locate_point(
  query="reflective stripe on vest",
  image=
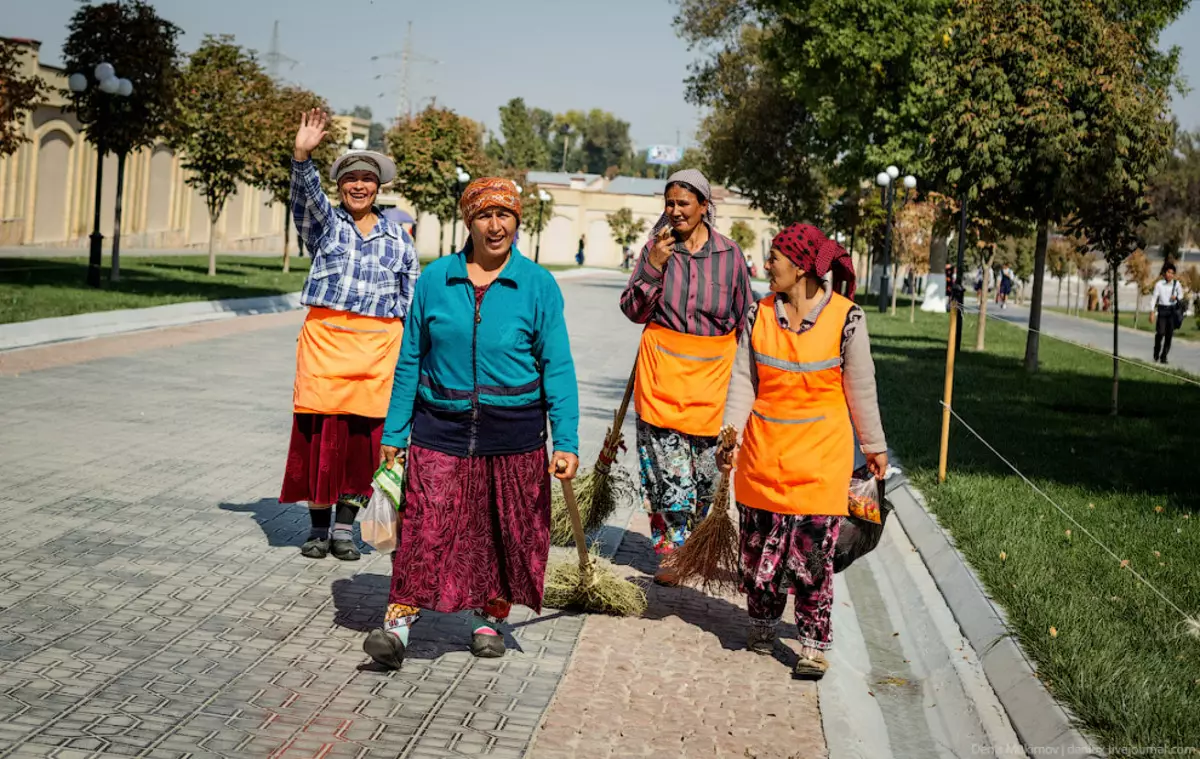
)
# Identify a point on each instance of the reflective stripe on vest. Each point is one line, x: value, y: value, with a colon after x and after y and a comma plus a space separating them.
x: 797, y: 450
x: 682, y: 380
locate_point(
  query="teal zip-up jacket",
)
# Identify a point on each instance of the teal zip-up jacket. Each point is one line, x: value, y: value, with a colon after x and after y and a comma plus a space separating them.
x: 481, y: 383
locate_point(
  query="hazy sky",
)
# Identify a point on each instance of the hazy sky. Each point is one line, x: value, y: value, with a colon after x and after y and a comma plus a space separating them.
x: 618, y: 55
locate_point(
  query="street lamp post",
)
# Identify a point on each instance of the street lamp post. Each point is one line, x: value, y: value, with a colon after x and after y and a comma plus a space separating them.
x: 460, y: 178
x: 109, y: 84
x: 542, y: 196
x: 886, y: 181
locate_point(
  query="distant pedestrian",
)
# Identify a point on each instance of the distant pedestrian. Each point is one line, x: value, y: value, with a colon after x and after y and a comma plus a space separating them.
x: 1006, y: 285
x: 751, y: 266
x: 1093, y: 298
x: 626, y: 257
x: 579, y: 255
x: 1106, y: 297
x: 1166, y: 309
x: 358, y: 292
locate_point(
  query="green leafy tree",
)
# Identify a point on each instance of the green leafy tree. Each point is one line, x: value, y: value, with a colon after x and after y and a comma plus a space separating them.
x: 741, y: 233
x: 626, y: 230
x: 428, y: 149
x: 142, y: 48
x: 1139, y: 273
x: 1059, y: 264
x: 269, y: 167
x: 535, y: 212
x: 778, y: 164
x: 522, y: 149
x: 18, y: 96
x: 1174, y: 196
x: 223, y: 109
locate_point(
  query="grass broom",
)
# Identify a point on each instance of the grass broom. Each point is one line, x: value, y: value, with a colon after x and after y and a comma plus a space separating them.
x: 587, y: 586
x: 710, y: 555
x: 600, y: 490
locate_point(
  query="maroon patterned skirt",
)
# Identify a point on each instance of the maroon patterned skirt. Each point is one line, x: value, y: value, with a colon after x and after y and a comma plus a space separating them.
x: 474, y: 529
x: 330, y: 455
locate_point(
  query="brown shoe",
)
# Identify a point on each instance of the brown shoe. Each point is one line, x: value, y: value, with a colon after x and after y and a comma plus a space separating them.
x: 810, y: 669
x: 486, y: 646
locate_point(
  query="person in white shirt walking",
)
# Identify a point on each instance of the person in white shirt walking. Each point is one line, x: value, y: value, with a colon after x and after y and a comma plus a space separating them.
x: 1167, y: 298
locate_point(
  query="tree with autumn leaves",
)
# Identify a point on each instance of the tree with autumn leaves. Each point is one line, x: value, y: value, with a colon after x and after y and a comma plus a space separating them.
x: 428, y: 149
x: 18, y: 96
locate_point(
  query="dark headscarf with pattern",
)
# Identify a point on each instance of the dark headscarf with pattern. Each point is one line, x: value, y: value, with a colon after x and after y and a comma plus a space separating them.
x: 809, y: 248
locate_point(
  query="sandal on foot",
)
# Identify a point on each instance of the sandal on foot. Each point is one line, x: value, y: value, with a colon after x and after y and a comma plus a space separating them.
x: 384, y: 648
x: 315, y: 548
x: 345, y: 550
x: 810, y: 669
x: 761, y: 641
x: 486, y: 646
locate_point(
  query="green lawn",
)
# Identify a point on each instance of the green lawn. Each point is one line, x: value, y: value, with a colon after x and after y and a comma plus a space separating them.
x: 1119, y: 656
x: 36, y: 288
x: 1189, y: 331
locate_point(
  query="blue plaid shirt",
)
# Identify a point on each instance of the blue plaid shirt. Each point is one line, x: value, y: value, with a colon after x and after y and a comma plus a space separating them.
x: 373, y: 275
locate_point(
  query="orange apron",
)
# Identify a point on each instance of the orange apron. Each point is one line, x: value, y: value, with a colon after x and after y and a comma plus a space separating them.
x: 682, y: 380
x: 797, y: 451
x: 345, y: 363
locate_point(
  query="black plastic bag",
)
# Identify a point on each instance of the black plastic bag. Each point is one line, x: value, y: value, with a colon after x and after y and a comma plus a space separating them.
x: 857, y: 537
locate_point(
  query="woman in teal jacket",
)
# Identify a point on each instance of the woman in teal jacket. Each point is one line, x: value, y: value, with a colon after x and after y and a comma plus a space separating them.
x: 485, y: 360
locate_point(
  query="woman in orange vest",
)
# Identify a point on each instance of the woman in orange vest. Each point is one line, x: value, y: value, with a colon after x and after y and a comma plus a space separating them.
x: 691, y: 289
x: 803, y: 373
x: 358, y: 292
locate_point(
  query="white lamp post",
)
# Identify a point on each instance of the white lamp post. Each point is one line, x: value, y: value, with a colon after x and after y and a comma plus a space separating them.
x: 543, y: 197
x: 461, y: 178
x: 108, y: 83
x: 886, y: 180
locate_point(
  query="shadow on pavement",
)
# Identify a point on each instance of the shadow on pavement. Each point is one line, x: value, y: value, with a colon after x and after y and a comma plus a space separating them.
x: 283, y: 524
x: 715, y: 615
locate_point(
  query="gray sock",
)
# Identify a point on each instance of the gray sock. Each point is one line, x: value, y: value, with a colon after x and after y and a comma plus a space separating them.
x: 343, y: 531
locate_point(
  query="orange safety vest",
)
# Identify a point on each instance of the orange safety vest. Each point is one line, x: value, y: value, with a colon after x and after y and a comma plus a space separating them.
x: 797, y: 452
x: 345, y: 363
x: 682, y: 379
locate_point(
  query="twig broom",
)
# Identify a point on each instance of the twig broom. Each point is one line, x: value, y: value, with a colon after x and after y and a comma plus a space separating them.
x: 586, y: 586
x: 600, y: 490
x: 710, y: 555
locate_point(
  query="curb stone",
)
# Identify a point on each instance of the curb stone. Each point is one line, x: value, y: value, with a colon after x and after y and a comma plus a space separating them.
x: 1041, y: 722
x: 104, y: 323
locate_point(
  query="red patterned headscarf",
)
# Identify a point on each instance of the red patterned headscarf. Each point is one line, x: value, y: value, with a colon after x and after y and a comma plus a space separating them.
x: 807, y: 247
x: 489, y: 192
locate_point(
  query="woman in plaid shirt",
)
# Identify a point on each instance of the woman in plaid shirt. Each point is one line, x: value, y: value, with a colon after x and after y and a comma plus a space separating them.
x: 358, y: 292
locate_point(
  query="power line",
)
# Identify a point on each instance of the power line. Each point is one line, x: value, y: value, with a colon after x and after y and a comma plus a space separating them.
x: 407, y: 57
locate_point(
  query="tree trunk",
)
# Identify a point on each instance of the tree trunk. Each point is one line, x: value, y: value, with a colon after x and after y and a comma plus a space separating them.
x: 1137, y: 307
x: 115, y: 274
x: 981, y: 328
x: 441, y: 238
x: 1116, y: 339
x: 895, y: 284
x: 212, y: 250
x: 1035, y: 303
x: 912, y: 304
x: 1058, y: 298
x: 287, y: 236
x: 1070, y: 297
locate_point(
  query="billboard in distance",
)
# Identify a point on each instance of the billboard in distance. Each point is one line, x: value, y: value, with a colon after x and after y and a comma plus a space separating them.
x: 664, y: 155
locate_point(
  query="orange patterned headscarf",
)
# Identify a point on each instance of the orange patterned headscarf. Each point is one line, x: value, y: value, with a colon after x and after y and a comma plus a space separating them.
x: 489, y: 192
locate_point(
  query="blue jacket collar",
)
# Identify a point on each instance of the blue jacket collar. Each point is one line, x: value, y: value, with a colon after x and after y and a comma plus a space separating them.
x: 457, y: 270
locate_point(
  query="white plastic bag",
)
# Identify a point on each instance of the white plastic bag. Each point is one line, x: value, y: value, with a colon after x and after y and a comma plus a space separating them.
x: 379, y: 522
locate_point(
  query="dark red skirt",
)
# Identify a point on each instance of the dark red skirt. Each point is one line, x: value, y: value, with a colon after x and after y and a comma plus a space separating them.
x: 330, y: 456
x: 474, y: 529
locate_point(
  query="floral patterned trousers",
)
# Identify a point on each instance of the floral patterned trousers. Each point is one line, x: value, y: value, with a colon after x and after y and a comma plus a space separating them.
x: 782, y: 550
x: 679, y: 475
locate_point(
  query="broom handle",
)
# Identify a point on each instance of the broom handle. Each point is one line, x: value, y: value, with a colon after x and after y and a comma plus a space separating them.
x: 576, y: 523
x: 619, y: 418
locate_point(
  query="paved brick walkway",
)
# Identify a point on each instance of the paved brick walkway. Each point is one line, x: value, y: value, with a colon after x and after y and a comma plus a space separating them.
x: 152, y: 601
x: 678, y: 682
